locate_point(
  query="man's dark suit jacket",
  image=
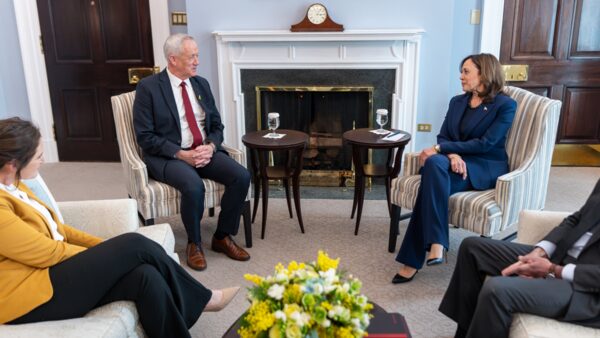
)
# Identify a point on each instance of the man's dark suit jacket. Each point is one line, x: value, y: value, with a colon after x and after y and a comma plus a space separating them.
x: 585, y: 303
x: 156, y: 120
x: 483, y: 146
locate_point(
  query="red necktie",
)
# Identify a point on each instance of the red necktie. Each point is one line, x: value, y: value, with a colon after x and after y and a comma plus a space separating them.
x: 191, y: 119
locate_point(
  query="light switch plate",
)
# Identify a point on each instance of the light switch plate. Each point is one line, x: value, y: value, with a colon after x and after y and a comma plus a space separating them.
x: 475, y: 17
x: 425, y: 127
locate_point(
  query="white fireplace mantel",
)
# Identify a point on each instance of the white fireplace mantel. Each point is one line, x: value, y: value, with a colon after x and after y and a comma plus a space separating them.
x: 354, y: 49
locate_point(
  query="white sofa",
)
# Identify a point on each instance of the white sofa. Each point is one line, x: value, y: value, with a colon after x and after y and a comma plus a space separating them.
x: 104, y: 218
x: 533, y: 226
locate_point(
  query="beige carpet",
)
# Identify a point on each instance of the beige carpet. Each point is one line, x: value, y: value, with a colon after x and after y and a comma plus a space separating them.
x: 328, y: 227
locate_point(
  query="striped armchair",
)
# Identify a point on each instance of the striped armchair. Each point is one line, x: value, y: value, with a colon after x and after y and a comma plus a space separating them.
x: 494, y: 212
x: 157, y: 199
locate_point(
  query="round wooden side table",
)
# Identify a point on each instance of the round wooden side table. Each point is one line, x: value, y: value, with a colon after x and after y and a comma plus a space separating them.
x: 362, y: 140
x: 292, y: 147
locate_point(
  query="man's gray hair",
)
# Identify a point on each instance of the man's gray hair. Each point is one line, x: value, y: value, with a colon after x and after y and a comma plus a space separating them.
x: 173, y: 44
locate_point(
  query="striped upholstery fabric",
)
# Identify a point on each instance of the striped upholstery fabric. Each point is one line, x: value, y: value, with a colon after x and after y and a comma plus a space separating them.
x: 529, y: 146
x: 155, y: 199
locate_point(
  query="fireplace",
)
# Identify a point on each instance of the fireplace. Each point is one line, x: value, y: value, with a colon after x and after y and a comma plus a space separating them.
x: 324, y: 113
x: 386, y: 60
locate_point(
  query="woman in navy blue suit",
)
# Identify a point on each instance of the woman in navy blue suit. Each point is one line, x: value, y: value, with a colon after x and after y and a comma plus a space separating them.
x: 470, y: 155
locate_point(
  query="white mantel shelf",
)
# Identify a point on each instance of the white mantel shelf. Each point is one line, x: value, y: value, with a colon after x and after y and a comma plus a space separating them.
x: 396, y: 49
x: 349, y: 35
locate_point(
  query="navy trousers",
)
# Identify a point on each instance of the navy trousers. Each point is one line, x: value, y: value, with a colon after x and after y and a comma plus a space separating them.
x: 188, y: 180
x: 429, y: 221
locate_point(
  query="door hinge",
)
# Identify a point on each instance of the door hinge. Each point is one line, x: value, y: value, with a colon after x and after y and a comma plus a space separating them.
x: 54, y: 131
x: 41, y: 44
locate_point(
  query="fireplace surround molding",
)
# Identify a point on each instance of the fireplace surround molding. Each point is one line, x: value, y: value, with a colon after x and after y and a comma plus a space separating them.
x: 359, y: 49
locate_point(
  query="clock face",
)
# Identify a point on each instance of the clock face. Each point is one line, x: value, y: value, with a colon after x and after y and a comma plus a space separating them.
x: 317, y: 14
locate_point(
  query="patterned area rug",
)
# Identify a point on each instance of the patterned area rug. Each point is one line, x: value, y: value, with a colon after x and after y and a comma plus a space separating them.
x: 328, y: 227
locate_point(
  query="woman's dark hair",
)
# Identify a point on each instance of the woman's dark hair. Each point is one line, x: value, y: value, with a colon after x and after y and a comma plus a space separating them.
x: 19, y: 140
x: 490, y: 72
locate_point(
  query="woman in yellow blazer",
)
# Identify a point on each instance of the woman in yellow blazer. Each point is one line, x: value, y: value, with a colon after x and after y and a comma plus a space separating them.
x: 51, y: 271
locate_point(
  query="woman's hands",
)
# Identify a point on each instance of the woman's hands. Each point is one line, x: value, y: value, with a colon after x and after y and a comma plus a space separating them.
x: 425, y: 154
x: 458, y: 165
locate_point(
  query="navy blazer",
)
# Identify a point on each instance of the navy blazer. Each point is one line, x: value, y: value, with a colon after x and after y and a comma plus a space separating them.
x: 483, y: 145
x: 156, y: 120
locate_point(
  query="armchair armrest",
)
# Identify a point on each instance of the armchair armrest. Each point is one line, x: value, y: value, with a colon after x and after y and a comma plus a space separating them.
x: 411, y: 164
x: 235, y: 154
x: 103, y: 218
x: 534, y: 225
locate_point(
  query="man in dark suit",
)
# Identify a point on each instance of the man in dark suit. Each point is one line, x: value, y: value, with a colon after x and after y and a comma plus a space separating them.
x: 558, y: 278
x: 179, y: 129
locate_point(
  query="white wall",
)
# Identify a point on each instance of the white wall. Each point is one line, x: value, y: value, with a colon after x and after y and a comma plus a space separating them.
x: 448, y: 38
x: 439, y: 53
x: 13, y: 93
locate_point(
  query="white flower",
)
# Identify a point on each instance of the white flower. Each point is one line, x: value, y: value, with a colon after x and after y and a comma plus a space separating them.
x: 281, y: 277
x: 355, y: 322
x: 318, y: 289
x: 326, y: 323
x: 276, y: 291
x: 280, y: 315
x: 301, y: 319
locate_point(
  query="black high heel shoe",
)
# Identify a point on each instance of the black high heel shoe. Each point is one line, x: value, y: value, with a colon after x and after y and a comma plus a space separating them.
x: 401, y: 279
x: 438, y: 260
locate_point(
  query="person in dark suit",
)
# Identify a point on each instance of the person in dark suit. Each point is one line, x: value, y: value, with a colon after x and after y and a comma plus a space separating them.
x: 470, y: 155
x: 179, y: 129
x: 558, y: 278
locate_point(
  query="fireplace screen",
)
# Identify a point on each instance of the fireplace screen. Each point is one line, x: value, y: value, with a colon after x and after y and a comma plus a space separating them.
x: 324, y: 113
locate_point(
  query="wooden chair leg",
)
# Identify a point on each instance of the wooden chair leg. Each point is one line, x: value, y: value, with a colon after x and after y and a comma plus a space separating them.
x: 146, y: 222
x: 361, y: 199
x: 256, y: 197
x: 394, y: 227
x: 286, y: 185
x: 355, y: 199
x: 265, y: 206
x: 296, y: 183
x: 247, y: 224
x: 211, y: 212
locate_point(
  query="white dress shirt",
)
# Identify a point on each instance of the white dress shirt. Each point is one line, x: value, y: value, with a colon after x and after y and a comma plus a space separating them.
x: 20, y: 194
x: 186, y: 135
x: 568, y: 272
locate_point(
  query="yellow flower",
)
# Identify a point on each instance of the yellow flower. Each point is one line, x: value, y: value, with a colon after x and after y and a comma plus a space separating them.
x: 291, y: 308
x: 293, y: 331
x: 293, y: 266
x: 344, y: 332
x: 260, y: 316
x: 245, y: 332
x: 326, y: 305
x: 256, y: 279
x: 292, y: 294
x: 279, y: 267
x: 325, y: 263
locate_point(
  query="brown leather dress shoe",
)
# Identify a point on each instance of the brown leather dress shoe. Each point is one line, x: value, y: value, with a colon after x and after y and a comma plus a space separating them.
x: 195, y: 257
x: 228, y: 247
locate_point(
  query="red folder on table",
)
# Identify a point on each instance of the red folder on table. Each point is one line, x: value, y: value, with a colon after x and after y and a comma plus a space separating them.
x: 388, y: 325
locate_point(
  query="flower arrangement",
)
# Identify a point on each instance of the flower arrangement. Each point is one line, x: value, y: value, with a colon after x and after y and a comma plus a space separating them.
x: 306, y: 300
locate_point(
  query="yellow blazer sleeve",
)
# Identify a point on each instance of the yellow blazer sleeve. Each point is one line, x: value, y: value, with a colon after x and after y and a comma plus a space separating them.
x: 78, y: 237
x: 21, y: 242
